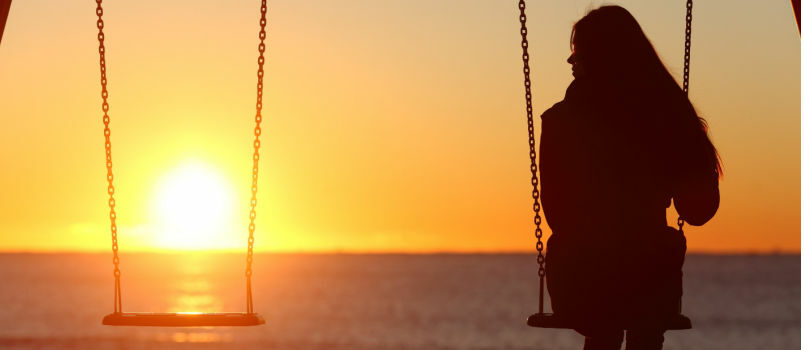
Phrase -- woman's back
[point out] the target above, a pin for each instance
(603, 161)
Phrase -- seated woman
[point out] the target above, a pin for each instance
(624, 142)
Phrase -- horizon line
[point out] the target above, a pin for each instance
(364, 252)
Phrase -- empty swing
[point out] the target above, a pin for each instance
(179, 319)
(542, 319)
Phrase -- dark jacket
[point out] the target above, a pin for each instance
(611, 160)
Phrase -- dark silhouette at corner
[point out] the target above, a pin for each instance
(5, 6)
(624, 142)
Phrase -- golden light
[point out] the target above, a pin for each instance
(193, 208)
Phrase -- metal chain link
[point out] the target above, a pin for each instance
(686, 83)
(118, 303)
(534, 179)
(255, 158)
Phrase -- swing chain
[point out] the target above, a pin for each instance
(256, 157)
(534, 179)
(686, 83)
(687, 46)
(109, 175)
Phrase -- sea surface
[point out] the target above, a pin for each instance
(343, 301)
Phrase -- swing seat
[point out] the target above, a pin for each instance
(182, 319)
(545, 320)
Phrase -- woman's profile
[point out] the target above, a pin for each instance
(623, 142)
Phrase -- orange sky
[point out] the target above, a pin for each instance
(389, 125)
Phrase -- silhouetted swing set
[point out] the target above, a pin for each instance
(182, 319)
(250, 318)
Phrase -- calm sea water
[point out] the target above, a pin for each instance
(56, 301)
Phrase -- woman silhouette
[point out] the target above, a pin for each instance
(622, 143)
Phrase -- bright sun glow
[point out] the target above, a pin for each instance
(193, 208)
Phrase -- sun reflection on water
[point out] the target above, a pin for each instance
(195, 337)
(198, 303)
(193, 290)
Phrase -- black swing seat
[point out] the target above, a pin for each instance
(182, 319)
(545, 320)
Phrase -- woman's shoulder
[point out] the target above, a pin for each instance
(576, 95)
(558, 111)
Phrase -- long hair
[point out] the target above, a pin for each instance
(612, 47)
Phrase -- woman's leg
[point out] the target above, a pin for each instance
(603, 340)
(644, 339)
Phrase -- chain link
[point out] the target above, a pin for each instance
(256, 157)
(109, 175)
(534, 179)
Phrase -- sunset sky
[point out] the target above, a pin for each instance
(391, 125)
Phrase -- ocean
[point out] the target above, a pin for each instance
(352, 301)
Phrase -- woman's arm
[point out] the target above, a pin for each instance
(554, 174)
(696, 193)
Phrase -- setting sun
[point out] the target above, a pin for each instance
(192, 208)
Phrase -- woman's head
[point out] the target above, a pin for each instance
(609, 42)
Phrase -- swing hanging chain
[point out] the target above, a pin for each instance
(255, 158)
(687, 46)
(118, 303)
(534, 179)
(686, 83)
